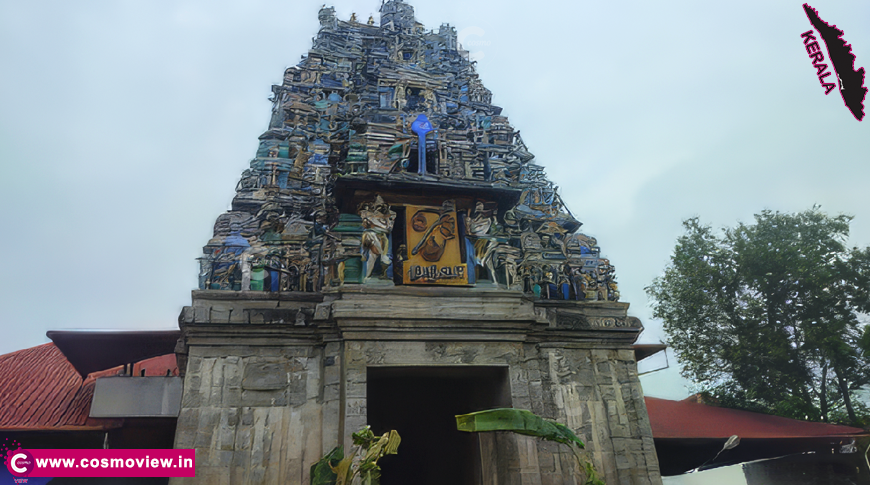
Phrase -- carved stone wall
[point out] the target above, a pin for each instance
(264, 401)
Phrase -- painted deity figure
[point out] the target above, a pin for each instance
(480, 220)
(552, 237)
(400, 98)
(377, 221)
(431, 102)
(205, 271)
(478, 226)
(581, 281)
(607, 286)
(511, 278)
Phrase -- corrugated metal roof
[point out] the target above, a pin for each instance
(642, 351)
(41, 390)
(94, 350)
(686, 419)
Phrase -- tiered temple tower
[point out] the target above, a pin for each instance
(394, 256)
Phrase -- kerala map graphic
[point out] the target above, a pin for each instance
(851, 81)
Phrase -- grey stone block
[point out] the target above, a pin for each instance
(233, 372)
(225, 458)
(247, 416)
(298, 392)
(232, 396)
(257, 476)
(331, 374)
(331, 392)
(295, 351)
(233, 417)
(238, 473)
(192, 397)
(355, 390)
(186, 426)
(208, 422)
(264, 398)
(201, 314)
(244, 439)
(241, 459)
(215, 396)
(194, 364)
(265, 376)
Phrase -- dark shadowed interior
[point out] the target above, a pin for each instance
(421, 404)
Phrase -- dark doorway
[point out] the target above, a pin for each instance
(421, 404)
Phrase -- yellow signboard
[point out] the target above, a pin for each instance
(433, 242)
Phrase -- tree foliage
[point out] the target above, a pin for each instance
(767, 316)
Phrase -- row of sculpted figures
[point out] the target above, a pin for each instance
(539, 258)
(355, 108)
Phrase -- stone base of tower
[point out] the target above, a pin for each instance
(275, 381)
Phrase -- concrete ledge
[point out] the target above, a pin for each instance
(228, 295)
(136, 397)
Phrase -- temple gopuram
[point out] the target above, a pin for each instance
(394, 257)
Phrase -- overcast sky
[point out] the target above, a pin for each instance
(124, 127)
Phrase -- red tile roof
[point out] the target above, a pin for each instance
(41, 390)
(686, 419)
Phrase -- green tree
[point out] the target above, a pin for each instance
(766, 316)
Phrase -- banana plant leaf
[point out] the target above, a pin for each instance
(321, 472)
(344, 471)
(518, 421)
(388, 444)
